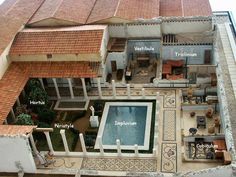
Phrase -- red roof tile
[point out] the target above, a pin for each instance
(124, 9)
(57, 42)
(197, 8)
(14, 14)
(136, 9)
(18, 74)
(76, 11)
(185, 8)
(9, 130)
(170, 8)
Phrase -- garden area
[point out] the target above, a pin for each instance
(37, 109)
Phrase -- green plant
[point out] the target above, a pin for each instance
(46, 116)
(38, 94)
(22, 109)
(32, 84)
(24, 119)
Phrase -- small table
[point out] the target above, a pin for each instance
(201, 121)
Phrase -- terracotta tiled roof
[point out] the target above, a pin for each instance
(76, 11)
(70, 69)
(57, 42)
(124, 9)
(185, 8)
(14, 14)
(197, 8)
(135, 9)
(170, 8)
(18, 74)
(103, 9)
(10, 130)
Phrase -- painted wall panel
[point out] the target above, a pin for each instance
(171, 52)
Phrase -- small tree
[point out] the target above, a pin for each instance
(38, 94)
(32, 84)
(24, 119)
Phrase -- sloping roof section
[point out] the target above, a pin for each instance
(57, 42)
(124, 9)
(14, 14)
(14, 130)
(74, 11)
(197, 8)
(185, 8)
(18, 74)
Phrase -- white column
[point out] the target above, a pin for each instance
(13, 114)
(84, 88)
(154, 152)
(49, 142)
(100, 145)
(157, 101)
(99, 88)
(128, 91)
(41, 82)
(118, 147)
(113, 88)
(136, 150)
(143, 93)
(18, 101)
(158, 95)
(81, 137)
(5, 121)
(63, 136)
(56, 87)
(71, 88)
(33, 144)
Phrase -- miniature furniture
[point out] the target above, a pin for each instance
(211, 129)
(166, 69)
(209, 113)
(217, 122)
(227, 157)
(201, 121)
(219, 145)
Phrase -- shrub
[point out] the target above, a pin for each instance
(22, 109)
(24, 119)
(38, 94)
(46, 116)
(32, 84)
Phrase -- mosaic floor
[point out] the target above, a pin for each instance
(169, 157)
(118, 164)
(169, 100)
(169, 141)
(169, 125)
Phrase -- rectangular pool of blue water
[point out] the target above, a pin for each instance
(130, 122)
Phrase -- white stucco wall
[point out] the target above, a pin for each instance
(135, 31)
(185, 27)
(4, 61)
(105, 40)
(16, 150)
(169, 52)
(119, 57)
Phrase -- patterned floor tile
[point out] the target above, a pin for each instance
(118, 164)
(169, 157)
(169, 125)
(169, 99)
